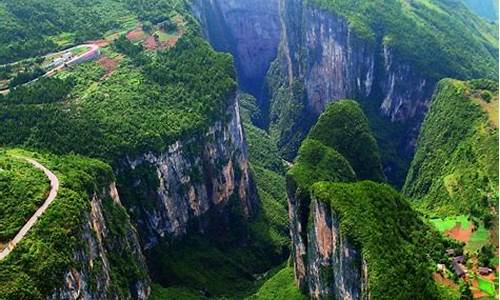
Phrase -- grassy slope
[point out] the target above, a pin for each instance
(23, 188)
(280, 286)
(455, 168)
(39, 261)
(463, 45)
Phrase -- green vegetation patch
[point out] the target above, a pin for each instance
(344, 127)
(197, 263)
(149, 102)
(172, 293)
(279, 286)
(397, 246)
(317, 162)
(62, 23)
(23, 188)
(486, 286)
(38, 263)
(479, 238)
(450, 222)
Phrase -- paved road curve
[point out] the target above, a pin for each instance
(54, 187)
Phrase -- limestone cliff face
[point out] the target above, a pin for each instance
(334, 63)
(328, 265)
(104, 251)
(197, 185)
(249, 30)
(338, 65)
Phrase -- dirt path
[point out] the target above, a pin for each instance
(54, 187)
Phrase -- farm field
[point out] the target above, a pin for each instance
(448, 223)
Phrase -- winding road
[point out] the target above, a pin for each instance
(54, 188)
(77, 59)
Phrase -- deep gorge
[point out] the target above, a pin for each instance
(295, 58)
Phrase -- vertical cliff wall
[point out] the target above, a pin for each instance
(323, 60)
(250, 31)
(109, 264)
(201, 184)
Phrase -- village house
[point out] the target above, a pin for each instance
(485, 271)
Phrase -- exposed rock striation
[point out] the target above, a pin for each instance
(109, 244)
(331, 63)
(199, 185)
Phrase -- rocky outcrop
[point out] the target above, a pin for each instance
(108, 246)
(200, 184)
(328, 265)
(335, 265)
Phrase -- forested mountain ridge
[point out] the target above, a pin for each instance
(455, 169)
(343, 242)
(387, 55)
(168, 122)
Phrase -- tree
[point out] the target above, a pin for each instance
(147, 26)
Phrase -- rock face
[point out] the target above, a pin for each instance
(95, 273)
(327, 264)
(340, 65)
(198, 185)
(333, 63)
(249, 30)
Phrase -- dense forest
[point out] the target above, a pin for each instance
(452, 172)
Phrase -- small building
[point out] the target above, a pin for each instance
(485, 271)
(458, 269)
(441, 268)
(459, 259)
(450, 252)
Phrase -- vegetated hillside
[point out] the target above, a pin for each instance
(35, 27)
(145, 105)
(486, 8)
(138, 112)
(280, 286)
(344, 127)
(83, 243)
(399, 250)
(464, 46)
(23, 188)
(353, 238)
(455, 169)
